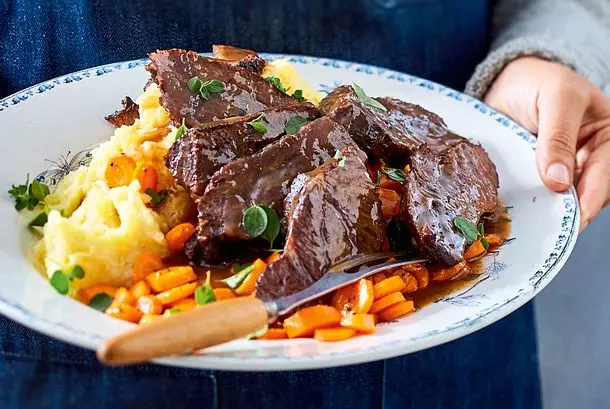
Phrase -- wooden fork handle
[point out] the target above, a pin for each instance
(201, 327)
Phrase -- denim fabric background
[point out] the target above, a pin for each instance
(441, 40)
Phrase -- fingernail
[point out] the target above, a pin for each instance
(558, 172)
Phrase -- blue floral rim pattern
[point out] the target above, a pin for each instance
(563, 242)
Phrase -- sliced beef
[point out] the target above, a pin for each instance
(334, 213)
(244, 92)
(263, 178)
(125, 116)
(459, 181)
(195, 157)
(240, 57)
(390, 135)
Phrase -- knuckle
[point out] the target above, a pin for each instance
(560, 142)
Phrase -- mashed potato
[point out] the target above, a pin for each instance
(104, 229)
(290, 78)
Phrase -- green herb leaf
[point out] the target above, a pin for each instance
(273, 225)
(181, 131)
(485, 243)
(294, 124)
(60, 282)
(378, 181)
(205, 88)
(236, 279)
(236, 267)
(76, 272)
(298, 95)
(194, 84)
(278, 84)
(214, 86)
(28, 195)
(38, 190)
(39, 220)
(481, 230)
(365, 99)
(339, 156)
(257, 124)
(156, 198)
(395, 174)
(466, 228)
(204, 294)
(174, 310)
(255, 220)
(100, 302)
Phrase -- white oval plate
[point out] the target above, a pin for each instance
(66, 114)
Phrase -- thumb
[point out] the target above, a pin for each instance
(560, 115)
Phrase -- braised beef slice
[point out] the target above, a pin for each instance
(460, 180)
(263, 178)
(125, 116)
(392, 135)
(334, 213)
(244, 92)
(240, 57)
(195, 157)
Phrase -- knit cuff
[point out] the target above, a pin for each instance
(557, 51)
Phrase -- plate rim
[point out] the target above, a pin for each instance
(550, 269)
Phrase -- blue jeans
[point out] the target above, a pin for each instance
(441, 40)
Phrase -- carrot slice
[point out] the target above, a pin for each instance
(304, 322)
(148, 318)
(274, 333)
(387, 286)
(475, 250)
(247, 286)
(359, 322)
(124, 312)
(185, 304)
(387, 301)
(223, 293)
(420, 272)
(177, 293)
(124, 296)
(139, 289)
(145, 264)
(397, 310)
(88, 293)
(148, 179)
(149, 304)
(120, 170)
(445, 273)
(390, 202)
(357, 297)
(494, 239)
(273, 257)
(170, 277)
(333, 334)
(177, 236)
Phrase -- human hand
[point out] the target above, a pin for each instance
(572, 120)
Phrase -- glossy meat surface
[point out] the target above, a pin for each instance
(263, 178)
(199, 153)
(240, 57)
(126, 116)
(244, 92)
(461, 180)
(392, 135)
(333, 213)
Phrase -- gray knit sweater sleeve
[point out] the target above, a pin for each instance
(573, 32)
